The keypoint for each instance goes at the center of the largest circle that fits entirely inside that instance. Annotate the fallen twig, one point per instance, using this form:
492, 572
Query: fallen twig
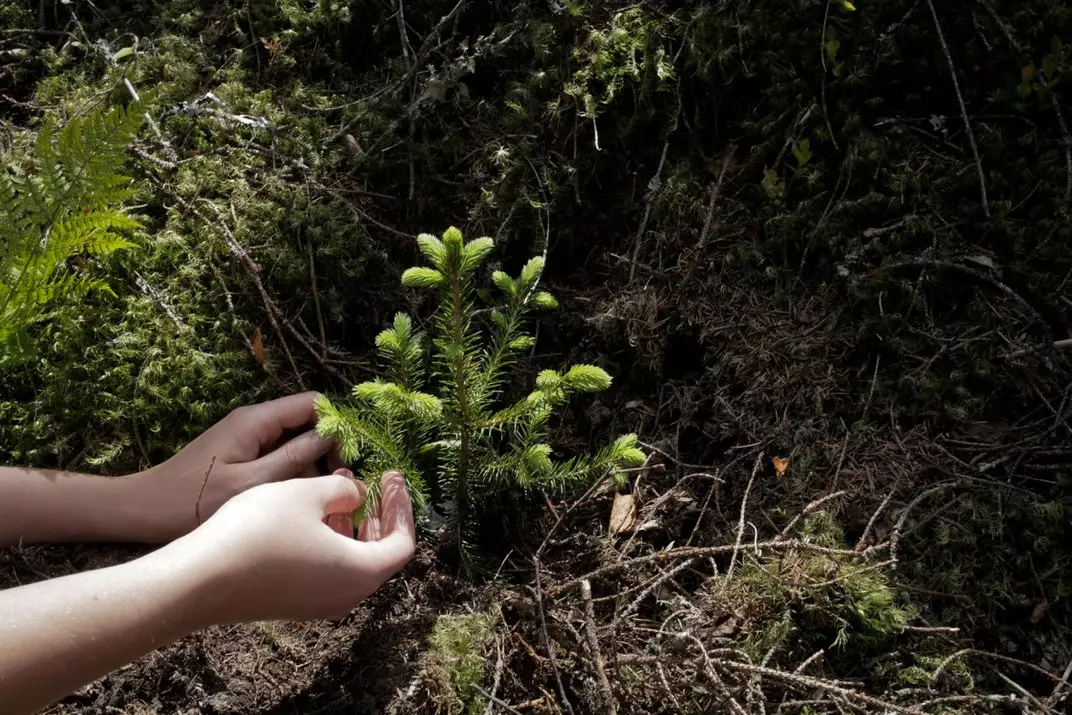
492, 700
963, 110
716, 192
691, 551
822, 87
609, 703
741, 522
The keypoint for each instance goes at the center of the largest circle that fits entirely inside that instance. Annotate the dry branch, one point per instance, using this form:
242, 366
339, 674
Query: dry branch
609, 701
963, 110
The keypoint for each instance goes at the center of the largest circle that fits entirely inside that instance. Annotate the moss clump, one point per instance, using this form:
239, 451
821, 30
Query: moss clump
799, 601
455, 661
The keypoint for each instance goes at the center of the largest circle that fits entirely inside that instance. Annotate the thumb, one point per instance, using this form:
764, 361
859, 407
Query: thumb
292, 457
333, 494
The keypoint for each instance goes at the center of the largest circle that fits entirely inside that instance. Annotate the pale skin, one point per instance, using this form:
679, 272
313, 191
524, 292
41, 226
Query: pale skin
275, 544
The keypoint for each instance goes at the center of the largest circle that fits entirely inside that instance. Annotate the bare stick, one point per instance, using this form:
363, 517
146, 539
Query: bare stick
896, 536
871, 523
547, 640
727, 159
740, 523
661, 578
972, 272
822, 87
401, 17
540, 594
709, 670
497, 678
247, 262
1068, 152
1019, 688
661, 557
808, 682
1056, 694
316, 301
609, 703
159, 299
871, 392
1063, 680
655, 184
496, 701
666, 686
811, 659
963, 110
807, 510
201, 491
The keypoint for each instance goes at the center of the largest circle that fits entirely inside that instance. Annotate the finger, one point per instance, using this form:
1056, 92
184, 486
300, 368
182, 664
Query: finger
341, 524
370, 528
397, 540
334, 459
267, 421
292, 457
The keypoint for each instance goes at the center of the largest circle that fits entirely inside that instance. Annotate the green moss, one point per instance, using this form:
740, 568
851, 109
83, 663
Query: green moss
458, 650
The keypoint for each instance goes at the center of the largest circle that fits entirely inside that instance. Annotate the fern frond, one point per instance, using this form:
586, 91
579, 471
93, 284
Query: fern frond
60, 202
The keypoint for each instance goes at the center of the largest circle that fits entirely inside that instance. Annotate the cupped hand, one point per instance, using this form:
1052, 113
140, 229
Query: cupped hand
245, 449
286, 551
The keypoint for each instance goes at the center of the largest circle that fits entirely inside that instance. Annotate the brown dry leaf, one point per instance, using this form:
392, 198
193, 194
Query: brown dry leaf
622, 514
780, 465
1039, 611
728, 628
258, 347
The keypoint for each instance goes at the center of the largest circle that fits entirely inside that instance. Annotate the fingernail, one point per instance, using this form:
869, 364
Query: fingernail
344, 472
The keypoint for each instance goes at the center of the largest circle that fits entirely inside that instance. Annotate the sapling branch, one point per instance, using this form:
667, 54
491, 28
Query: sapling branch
443, 427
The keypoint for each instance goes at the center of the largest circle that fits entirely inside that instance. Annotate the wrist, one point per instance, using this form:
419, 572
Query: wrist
147, 512
213, 585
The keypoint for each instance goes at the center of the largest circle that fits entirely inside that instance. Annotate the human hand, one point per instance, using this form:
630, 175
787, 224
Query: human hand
286, 551
244, 451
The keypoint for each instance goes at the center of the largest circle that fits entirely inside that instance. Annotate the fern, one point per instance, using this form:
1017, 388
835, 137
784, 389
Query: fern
59, 204
461, 440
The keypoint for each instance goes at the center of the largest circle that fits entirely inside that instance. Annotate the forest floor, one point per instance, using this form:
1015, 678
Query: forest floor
831, 283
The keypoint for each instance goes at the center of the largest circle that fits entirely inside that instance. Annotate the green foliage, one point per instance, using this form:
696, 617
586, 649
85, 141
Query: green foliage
814, 600
472, 447
630, 50
60, 203
459, 647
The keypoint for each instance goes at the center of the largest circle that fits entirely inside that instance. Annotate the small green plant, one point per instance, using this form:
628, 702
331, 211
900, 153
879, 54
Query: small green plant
460, 439
57, 205
459, 646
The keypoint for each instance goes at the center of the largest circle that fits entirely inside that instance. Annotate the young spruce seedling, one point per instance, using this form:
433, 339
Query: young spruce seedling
461, 439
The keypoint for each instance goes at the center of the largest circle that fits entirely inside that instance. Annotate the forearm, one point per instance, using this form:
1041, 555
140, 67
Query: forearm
42, 505
58, 635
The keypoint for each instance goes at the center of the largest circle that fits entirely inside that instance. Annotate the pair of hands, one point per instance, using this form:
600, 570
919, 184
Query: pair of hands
276, 542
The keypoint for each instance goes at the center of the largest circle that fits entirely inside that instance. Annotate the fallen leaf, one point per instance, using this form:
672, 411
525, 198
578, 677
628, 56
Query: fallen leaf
1039, 611
728, 628
983, 260
622, 514
780, 465
258, 347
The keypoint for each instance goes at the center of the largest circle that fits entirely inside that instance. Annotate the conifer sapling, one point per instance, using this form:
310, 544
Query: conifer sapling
461, 438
